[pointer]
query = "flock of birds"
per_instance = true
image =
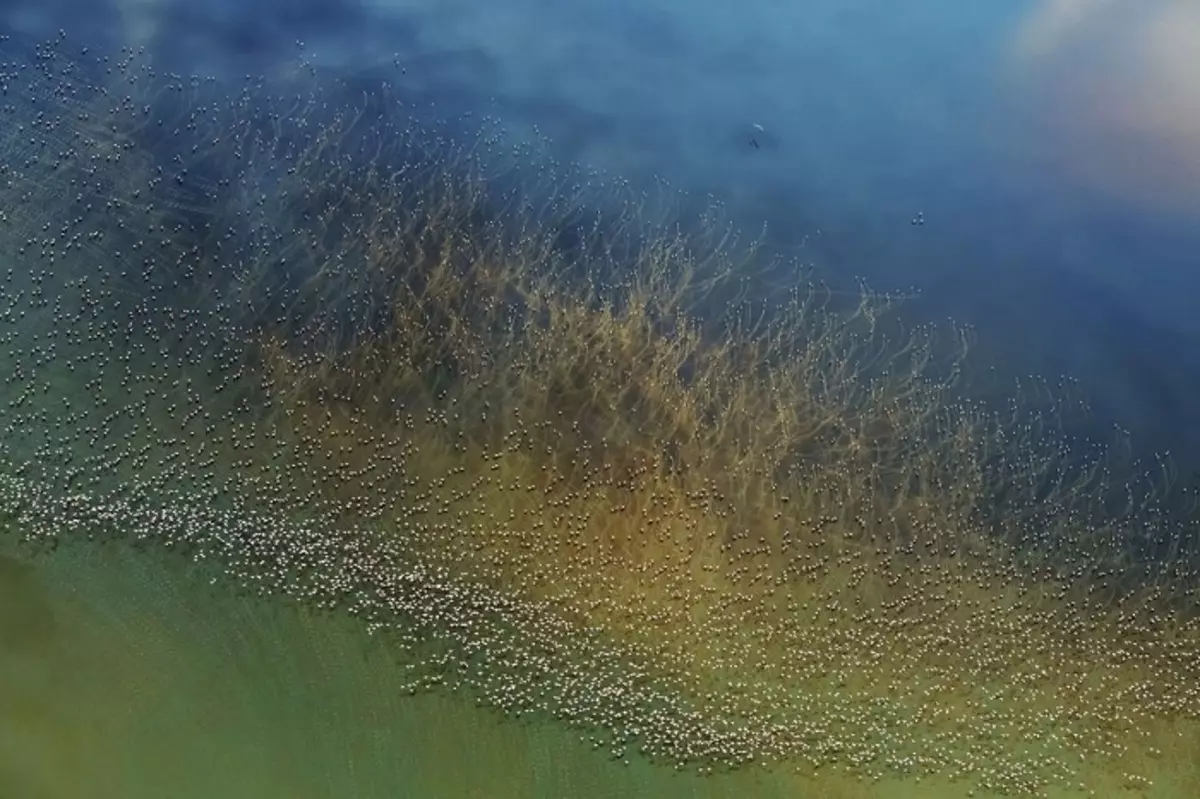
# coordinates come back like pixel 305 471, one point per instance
pixel 342 356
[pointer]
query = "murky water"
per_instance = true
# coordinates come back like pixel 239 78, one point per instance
pixel 125 675
pixel 125 672
pixel 122 676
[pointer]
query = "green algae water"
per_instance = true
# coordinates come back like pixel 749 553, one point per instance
pixel 126 676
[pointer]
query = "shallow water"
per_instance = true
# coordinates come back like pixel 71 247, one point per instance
pixel 123 676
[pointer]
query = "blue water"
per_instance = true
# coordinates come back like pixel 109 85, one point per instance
pixel 1049 148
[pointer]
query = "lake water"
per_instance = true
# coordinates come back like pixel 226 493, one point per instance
pixel 128 677
pixel 1051 147
pixel 1031 170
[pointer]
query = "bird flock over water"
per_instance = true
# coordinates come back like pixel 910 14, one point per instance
pixel 531 426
